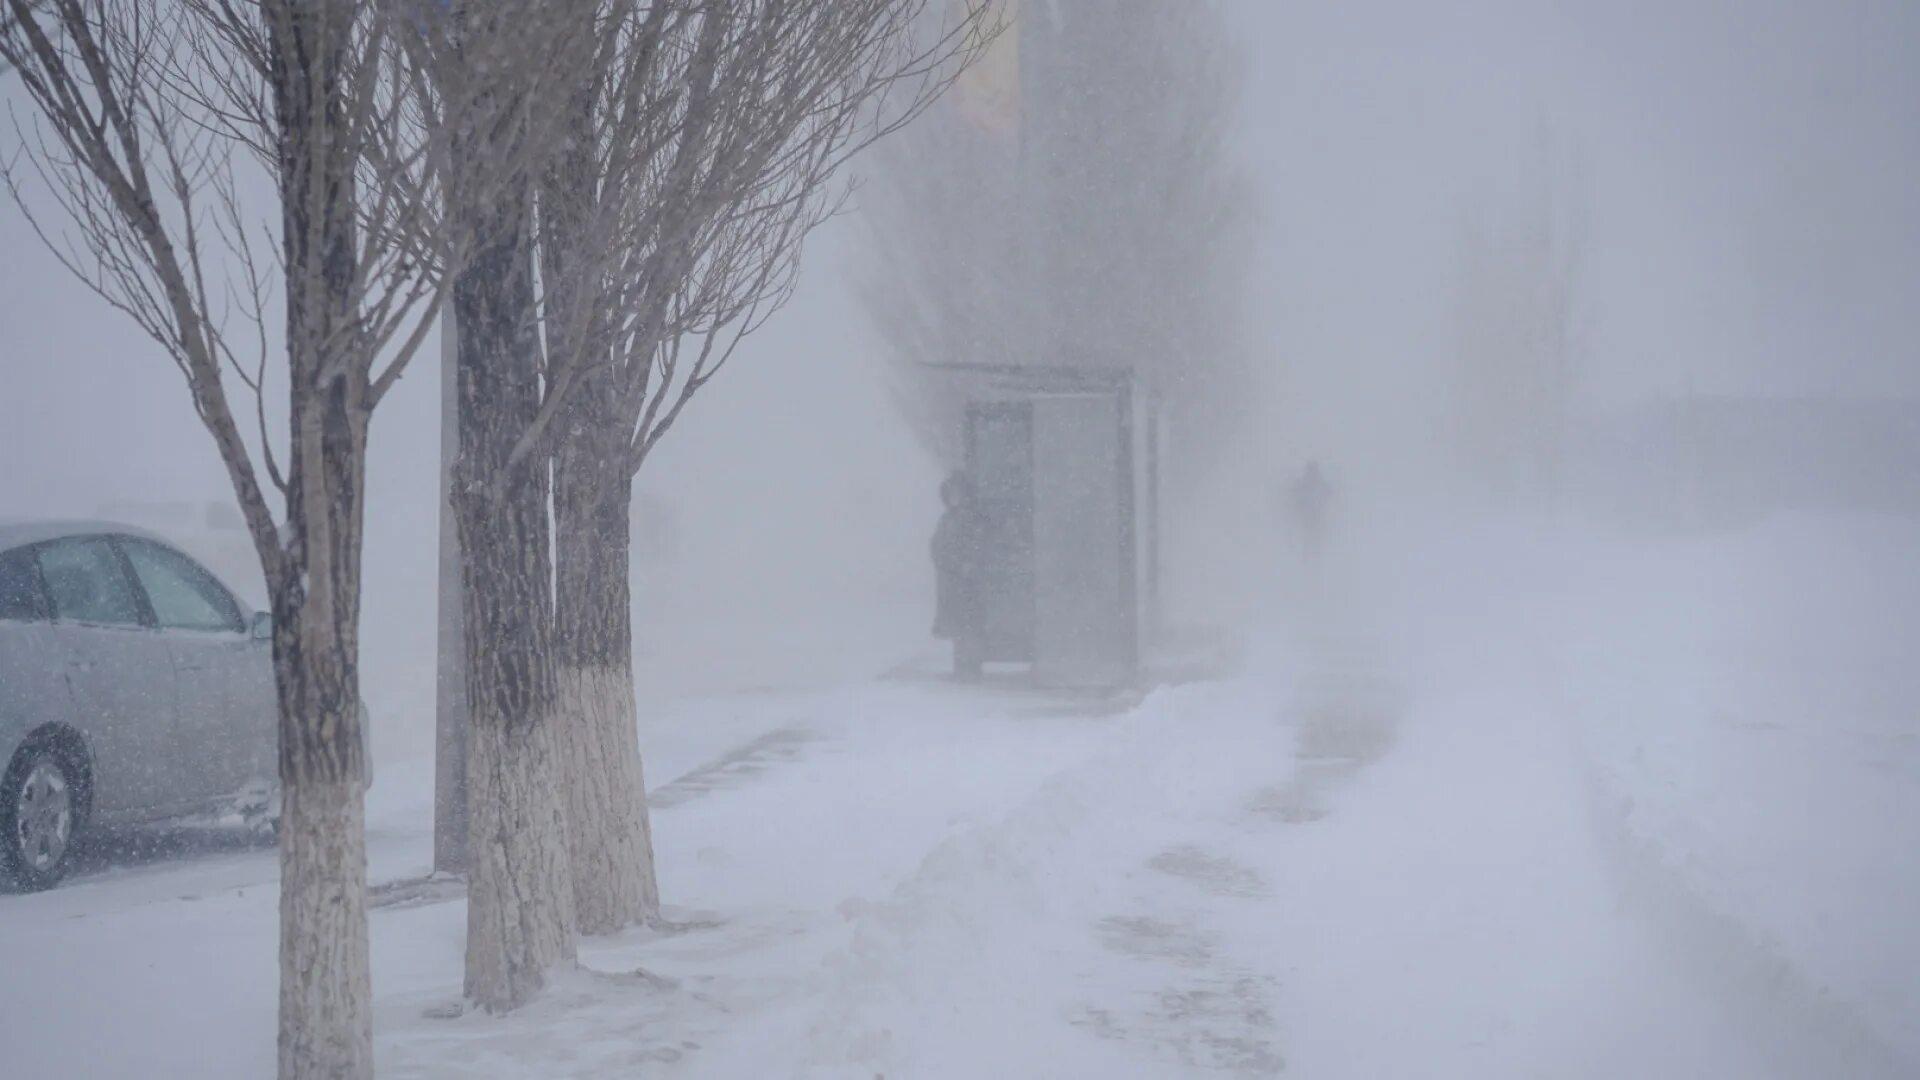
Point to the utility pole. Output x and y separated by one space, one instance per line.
450 684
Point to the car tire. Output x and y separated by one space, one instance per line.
266 831
262 818
40 810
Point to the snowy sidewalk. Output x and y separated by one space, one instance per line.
1324 868
1340 878
1451 914
929 863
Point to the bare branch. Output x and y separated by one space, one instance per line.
716 139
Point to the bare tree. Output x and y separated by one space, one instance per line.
1075 205
512 72
671 231
366 135
139 106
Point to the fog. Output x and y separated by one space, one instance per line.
1742 170
1731 185
1749 228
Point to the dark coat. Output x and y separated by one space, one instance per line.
957 543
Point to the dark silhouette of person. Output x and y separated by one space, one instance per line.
1310 497
957 545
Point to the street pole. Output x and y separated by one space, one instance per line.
450 685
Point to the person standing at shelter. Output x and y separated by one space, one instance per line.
1310 498
958 560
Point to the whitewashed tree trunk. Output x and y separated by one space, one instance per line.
326 992
609 834
520 891
609 837
326 999
520 918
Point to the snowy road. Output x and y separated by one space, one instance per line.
1340 874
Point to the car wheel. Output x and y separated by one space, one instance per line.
265 831
260 812
264 821
39 817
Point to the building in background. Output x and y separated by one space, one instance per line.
1717 460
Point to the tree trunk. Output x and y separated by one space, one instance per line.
520 921
326 1025
326 1000
609 837
519 889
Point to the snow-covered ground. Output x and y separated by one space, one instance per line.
1758 741
1589 817
1742 710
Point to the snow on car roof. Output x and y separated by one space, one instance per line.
17 533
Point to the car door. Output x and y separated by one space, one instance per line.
33 681
120 675
212 653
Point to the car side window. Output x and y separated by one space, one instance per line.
21 598
86 582
184 596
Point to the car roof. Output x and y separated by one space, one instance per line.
15 534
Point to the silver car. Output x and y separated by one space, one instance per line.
133 688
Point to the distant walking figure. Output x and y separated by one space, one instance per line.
957 561
1310 497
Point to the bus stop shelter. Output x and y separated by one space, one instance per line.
1064 464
